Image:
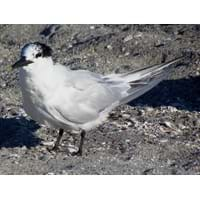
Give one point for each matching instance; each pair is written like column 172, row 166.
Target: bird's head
column 31, row 53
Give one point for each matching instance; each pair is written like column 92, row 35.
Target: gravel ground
column 158, row 133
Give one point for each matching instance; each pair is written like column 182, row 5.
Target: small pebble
column 128, row 38
column 126, row 116
column 109, row 47
column 50, row 173
column 14, row 155
column 197, row 123
column 181, row 126
column 51, row 143
column 141, row 112
column 64, row 172
column 172, row 109
column 70, row 46
column 168, row 124
column 164, row 140
column 139, row 34
column 127, row 54
column 129, row 124
column 24, row 148
column 149, row 109
column 72, row 148
column 92, row 27
column 3, row 85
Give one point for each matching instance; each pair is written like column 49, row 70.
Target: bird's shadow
column 18, row 132
column 184, row 94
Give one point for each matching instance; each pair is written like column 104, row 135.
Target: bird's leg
column 60, row 134
column 79, row 152
column 83, row 133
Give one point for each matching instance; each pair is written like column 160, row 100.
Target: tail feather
column 143, row 80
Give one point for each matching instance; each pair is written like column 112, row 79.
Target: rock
column 50, row 173
column 92, row 27
column 24, row 148
column 3, row 85
column 126, row 116
column 197, row 122
column 141, row 112
column 14, row 155
column 128, row 38
column 164, row 140
column 172, row 109
column 168, row 124
column 48, row 143
column 72, row 148
column 109, row 47
column 181, row 126
column 149, row 109
column 127, row 53
column 64, row 172
column 138, row 35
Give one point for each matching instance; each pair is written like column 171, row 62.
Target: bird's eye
column 38, row 55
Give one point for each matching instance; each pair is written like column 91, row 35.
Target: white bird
column 79, row 100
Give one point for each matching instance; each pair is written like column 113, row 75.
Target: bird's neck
column 37, row 76
column 41, row 69
column 41, row 65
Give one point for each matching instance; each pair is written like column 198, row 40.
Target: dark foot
column 57, row 143
column 56, row 146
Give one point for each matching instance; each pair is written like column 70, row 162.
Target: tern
column 77, row 100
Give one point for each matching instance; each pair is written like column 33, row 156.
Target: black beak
column 21, row 63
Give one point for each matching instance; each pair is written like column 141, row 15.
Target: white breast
column 36, row 89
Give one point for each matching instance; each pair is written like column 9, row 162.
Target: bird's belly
column 33, row 110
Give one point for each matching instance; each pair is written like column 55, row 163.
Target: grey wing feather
column 136, row 83
column 89, row 97
column 145, row 79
